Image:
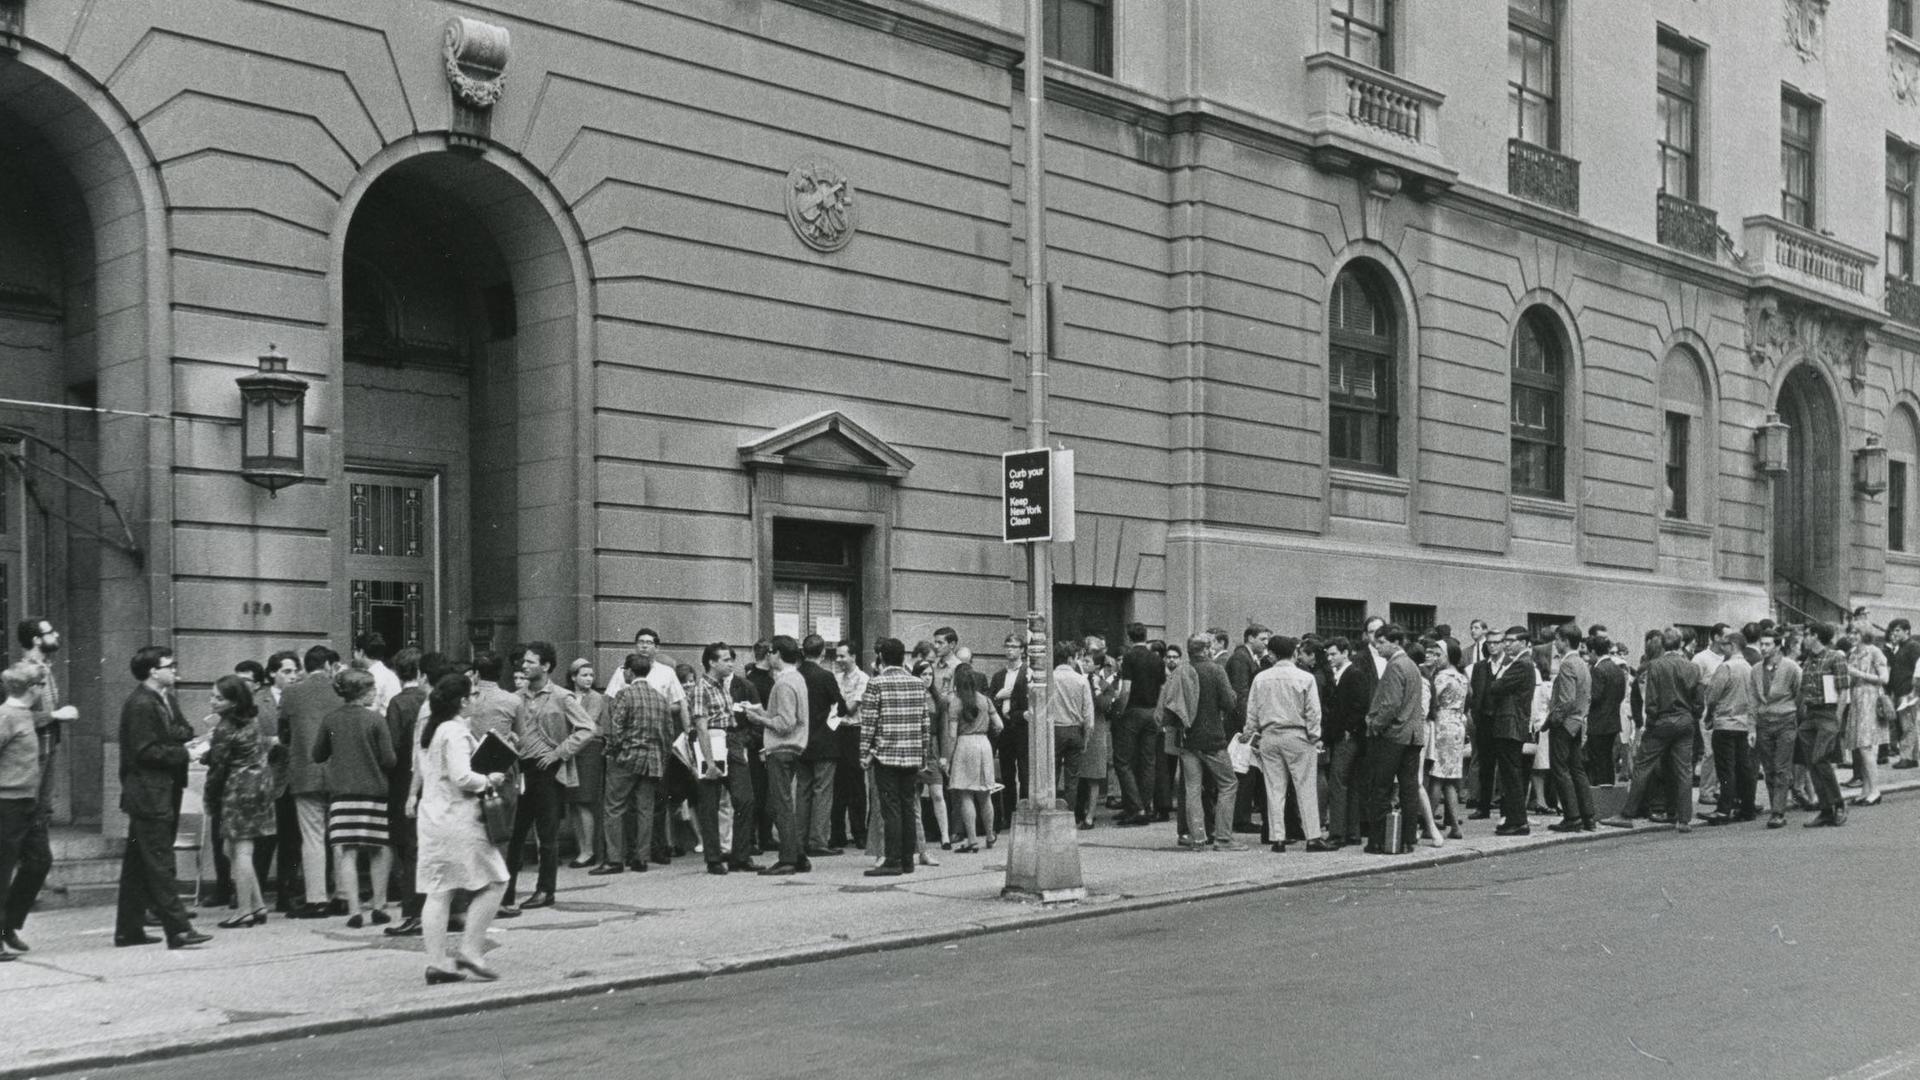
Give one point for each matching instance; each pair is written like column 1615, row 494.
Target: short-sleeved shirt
column 1145, row 674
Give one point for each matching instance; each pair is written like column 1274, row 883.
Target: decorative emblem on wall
column 820, row 204
column 476, row 55
column 1806, row 25
column 1903, row 72
column 1782, row 331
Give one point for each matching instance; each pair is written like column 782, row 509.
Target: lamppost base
column 1043, row 855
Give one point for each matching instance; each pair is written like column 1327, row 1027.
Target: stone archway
column 1810, row 506
column 460, row 316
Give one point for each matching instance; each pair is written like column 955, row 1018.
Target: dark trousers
column 1733, row 765
column 762, row 805
column 849, row 818
column 25, row 857
column 739, row 783
column 813, row 800
column 1164, row 766
column 1819, row 732
column 1486, row 764
column 1346, row 788
column 287, row 823
column 1136, row 756
column 404, row 837
column 1774, row 742
column 1391, row 765
column 1664, row 767
column 1069, row 746
column 1012, row 753
column 632, row 801
column 147, row 881
column 1251, row 796
column 893, row 785
column 1511, row 765
column 222, row 864
column 784, row 777
column 541, row 805
column 1598, row 749
column 1568, row 756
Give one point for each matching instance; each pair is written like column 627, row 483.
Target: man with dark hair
column 1824, row 682
column 640, row 730
column 1344, row 733
column 51, row 714
column 304, row 707
column 712, row 707
column 1603, row 711
column 1241, row 667
column 1730, row 718
column 1283, row 722
column 1773, row 698
column 1505, row 699
column 553, row 728
column 153, row 773
column 1203, row 707
column 1008, row 689
column 1567, row 731
column 1673, row 711
column 370, row 648
column 783, row 724
column 1901, row 662
column 759, row 676
column 1396, row 738
column 283, row 670
column 894, row 741
column 814, row 790
column 1136, row 737
column 403, row 717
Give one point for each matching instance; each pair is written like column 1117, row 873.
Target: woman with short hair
column 588, row 797
column 357, row 750
column 455, row 854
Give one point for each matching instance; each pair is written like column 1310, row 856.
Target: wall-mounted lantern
column 273, row 416
column 1770, row 445
column 1870, row 467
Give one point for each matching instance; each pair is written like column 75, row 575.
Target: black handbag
column 496, row 812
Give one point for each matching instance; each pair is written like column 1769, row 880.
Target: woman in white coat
column 455, row 853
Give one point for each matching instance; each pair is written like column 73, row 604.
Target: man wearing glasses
column 1509, row 711
column 153, row 773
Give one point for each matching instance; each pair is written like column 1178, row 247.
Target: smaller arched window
column 1683, row 411
column 1539, row 407
column 1362, row 416
column 1903, row 445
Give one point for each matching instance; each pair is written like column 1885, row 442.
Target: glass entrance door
column 393, row 556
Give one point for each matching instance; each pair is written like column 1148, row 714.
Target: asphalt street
column 1728, row 952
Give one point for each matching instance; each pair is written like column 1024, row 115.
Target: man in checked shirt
column 895, row 727
column 712, row 708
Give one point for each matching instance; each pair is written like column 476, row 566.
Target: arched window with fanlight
column 1362, row 417
column 1685, row 445
column 1903, row 451
column 1539, row 406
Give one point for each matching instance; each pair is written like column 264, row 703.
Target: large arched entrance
column 76, row 216
column 1810, row 521
column 459, row 335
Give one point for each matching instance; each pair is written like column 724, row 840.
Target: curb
column 1029, row 915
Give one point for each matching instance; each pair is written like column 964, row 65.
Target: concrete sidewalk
column 76, row 1001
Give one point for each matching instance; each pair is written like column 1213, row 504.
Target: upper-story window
column 1903, row 444
column 1900, row 176
column 1532, row 71
column 1363, row 31
column 1679, row 91
column 1683, row 405
column 1799, row 129
column 1900, row 16
column 1080, row 32
column 1362, row 422
column 1539, row 407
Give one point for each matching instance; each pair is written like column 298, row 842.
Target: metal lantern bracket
column 1870, row 467
column 13, row 455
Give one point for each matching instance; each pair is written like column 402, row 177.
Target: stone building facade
column 705, row 315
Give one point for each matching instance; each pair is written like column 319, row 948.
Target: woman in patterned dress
column 1868, row 666
column 239, row 770
column 1449, row 744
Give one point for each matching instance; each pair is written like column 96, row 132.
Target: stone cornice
column 927, row 25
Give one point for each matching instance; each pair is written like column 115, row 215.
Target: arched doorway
column 1810, row 520
column 459, row 316
column 76, row 216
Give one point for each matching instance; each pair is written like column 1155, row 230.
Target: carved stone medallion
column 1903, row 72
column 820, row 204
column 1783, row 331
column 1806, row 24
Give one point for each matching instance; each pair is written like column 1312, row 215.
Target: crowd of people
column 436, row 778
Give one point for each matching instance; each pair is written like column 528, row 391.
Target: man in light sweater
column 783, row 723
column 1773, row 702
column 1283, row 720
column 1730, row 719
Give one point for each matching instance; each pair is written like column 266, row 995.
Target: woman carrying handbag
column 455, row 851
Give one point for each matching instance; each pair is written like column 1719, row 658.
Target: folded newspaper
column 716, row 751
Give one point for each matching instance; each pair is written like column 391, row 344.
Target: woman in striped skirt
column 357, row 751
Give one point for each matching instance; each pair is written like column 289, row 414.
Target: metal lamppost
column 273, row 418
column 1043, row 850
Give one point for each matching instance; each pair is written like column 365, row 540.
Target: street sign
column 1026, row 495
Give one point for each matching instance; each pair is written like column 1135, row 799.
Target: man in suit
column 1008, row 689
column 1242, row 665
column 303, row 707
column 815, row 791
column 1344, row 731
column 1567, row 731
column 1396, row 738
column 1603, row 713
column 1480, row 710
column 153, row 773
column 1509, row 714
